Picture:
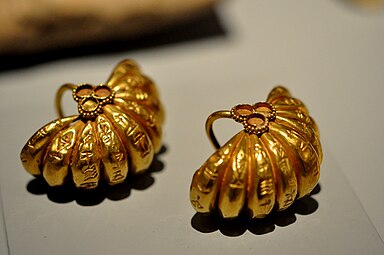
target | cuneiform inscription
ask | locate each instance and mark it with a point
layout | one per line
(262, 160)
(139, 138)
(43, 132)
(118, 163)
(89, 172)
(266, 187)
(238, 168)
(266, 202)
(23, 157)
(141, 143)
(306, 152)
(129, 126)
(210, 170)
(86, 149)
(88, 185)
(289, 198)
(207, 180)
(117, 176)
(284, 163)
(289, 101)
(215, 161)
(210, 174)
(143, 113)
(64, 143)
(111, 143)
(196, 203)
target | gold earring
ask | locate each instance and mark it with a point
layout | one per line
(273, 161)
(117, 132)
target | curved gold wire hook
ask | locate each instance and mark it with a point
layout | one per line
(255, 119)
(59, 96)
(209, 125)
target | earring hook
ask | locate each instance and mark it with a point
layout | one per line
(209, 125)
(59, 96)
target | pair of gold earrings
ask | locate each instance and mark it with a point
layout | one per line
(274, 160)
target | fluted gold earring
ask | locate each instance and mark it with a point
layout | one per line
(272, 162)
(117, 132)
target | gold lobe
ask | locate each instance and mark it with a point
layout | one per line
(284, 176)
(58, 154)
(232, 192)
(307, 130)
(136, 140)
(137, 88)
(300, 108)
(115, 159)
(261, 187)
(142, 91)
(282, 99)
(278, 92)
(207, 179)
(145, 117)
(296, 115)
(33, 151)
(294, 158)
(86, 159)
(310, 172)
(122, 69)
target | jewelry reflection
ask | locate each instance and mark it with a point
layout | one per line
(117, 132)
(274, 160)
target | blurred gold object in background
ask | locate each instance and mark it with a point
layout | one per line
(29, 26)
(273, 161)
(117, 132)
(368, 4)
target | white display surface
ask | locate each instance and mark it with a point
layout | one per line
(328, 55)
